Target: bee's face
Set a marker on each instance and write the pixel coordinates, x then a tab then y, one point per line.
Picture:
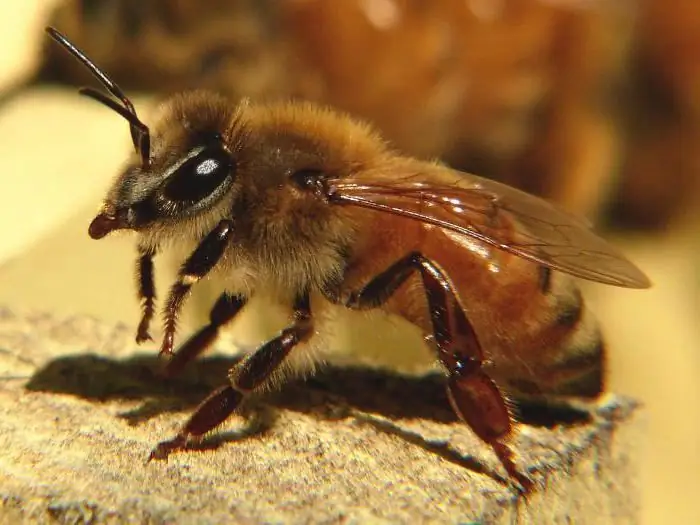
192	165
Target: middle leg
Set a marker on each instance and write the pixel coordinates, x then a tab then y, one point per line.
225	309
246	376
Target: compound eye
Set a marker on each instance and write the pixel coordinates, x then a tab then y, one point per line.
199	176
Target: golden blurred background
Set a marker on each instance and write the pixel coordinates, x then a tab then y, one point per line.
592	103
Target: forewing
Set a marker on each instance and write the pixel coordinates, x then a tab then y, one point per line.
497	215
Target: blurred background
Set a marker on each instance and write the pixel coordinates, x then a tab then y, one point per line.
592	103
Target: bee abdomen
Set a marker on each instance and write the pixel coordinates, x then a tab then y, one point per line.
566	352
581	370
577	361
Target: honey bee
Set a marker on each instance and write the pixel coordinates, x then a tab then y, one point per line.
312	208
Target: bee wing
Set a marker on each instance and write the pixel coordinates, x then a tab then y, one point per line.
495	214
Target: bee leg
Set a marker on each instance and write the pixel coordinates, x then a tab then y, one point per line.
209	414
224	310
197	265
245	377
146	291
474	396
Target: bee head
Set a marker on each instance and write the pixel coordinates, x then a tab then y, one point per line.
190	168
181	170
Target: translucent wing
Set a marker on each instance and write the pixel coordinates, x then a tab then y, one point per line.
495	214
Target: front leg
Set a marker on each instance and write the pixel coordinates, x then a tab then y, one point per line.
246	376
197	265
474	396
146	291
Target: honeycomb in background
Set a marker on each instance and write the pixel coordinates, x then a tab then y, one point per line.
660	179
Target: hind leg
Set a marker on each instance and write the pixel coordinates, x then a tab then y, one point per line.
474	396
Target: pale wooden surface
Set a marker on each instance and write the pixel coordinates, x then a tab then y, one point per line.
52	183
80	410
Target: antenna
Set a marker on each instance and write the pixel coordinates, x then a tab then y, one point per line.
140	134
